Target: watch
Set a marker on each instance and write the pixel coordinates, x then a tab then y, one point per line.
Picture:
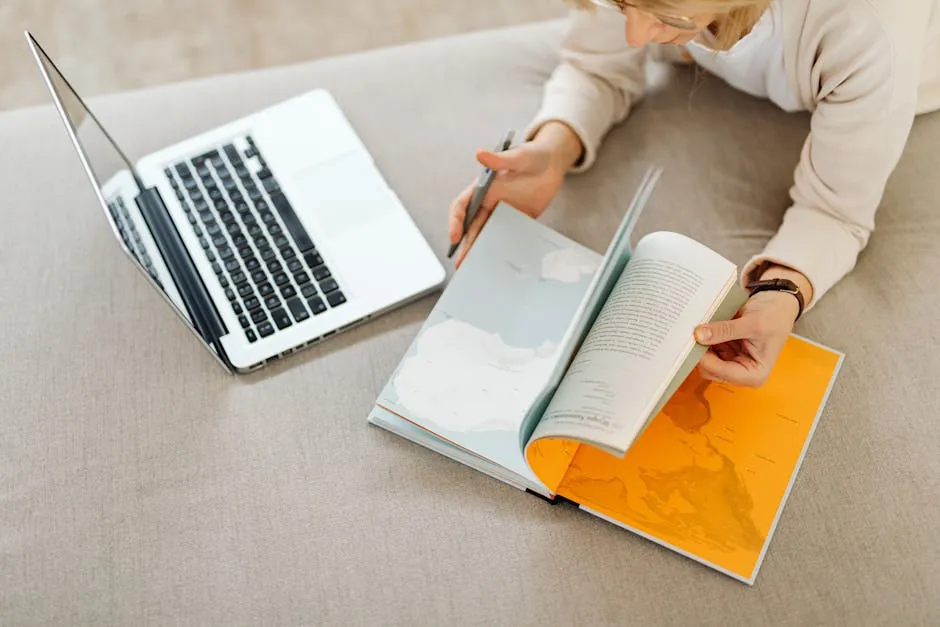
779	285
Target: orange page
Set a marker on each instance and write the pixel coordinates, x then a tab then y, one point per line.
710	475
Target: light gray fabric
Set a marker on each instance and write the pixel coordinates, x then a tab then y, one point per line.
139	484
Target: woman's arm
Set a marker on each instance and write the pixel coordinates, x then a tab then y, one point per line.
866	71
600	77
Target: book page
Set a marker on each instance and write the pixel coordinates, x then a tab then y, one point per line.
640	339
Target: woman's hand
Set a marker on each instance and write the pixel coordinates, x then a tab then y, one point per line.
745	349
528	177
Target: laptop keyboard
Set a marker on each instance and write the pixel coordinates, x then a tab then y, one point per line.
131	235
263	258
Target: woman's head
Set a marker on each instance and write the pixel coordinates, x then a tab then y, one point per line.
680	21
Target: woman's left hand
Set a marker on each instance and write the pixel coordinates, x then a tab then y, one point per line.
744	349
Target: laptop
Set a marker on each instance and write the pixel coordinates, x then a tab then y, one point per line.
267	234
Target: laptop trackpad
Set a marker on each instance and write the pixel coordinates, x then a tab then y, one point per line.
340	195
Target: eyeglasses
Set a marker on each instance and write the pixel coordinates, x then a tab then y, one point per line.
679	22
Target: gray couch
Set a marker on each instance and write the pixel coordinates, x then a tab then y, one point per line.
139	484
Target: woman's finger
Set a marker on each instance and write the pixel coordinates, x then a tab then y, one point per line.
457	211
474	229
512	160
714	368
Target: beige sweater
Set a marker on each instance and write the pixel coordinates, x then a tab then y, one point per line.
864	68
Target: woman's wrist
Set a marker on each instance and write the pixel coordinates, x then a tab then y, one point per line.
776	271
562	142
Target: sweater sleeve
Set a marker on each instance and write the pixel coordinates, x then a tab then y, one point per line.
865	106
597	81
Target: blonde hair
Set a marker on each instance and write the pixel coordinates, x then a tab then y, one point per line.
734	18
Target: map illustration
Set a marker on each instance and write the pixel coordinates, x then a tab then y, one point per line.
490	346
710	474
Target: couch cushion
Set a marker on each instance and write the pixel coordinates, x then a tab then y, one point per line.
138	482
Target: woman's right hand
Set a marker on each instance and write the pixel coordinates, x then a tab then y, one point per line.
527	178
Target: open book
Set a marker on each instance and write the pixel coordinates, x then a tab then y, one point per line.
572	376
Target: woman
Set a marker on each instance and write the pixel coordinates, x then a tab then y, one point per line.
863	68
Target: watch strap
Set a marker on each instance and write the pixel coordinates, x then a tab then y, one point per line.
779	285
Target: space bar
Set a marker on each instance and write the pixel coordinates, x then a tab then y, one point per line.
292	222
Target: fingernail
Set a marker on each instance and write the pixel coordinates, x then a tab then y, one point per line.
703	334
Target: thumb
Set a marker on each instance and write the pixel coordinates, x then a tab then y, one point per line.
513	159
723	331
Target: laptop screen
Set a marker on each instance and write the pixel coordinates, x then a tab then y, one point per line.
102	154
113	178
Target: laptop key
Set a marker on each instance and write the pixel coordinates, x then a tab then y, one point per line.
298	310
237	308
281	279
268	254
219	240
301	278
232	265
223	281
281	318
266	329
191	218
243	320
252	264
265	289
288	291
238	277
225	252
217	269
252	337
245	290
231	153
335	298
259	315
316	305
210	255
313	259
272	302
270	185
259	276
252	303
236	197
245	252
328	286
308	290
213	228
291	221
280	241
288	254
204	243
275	266
321	272
240	240
262	242
295	265
229	293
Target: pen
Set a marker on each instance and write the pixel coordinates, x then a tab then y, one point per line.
479	193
